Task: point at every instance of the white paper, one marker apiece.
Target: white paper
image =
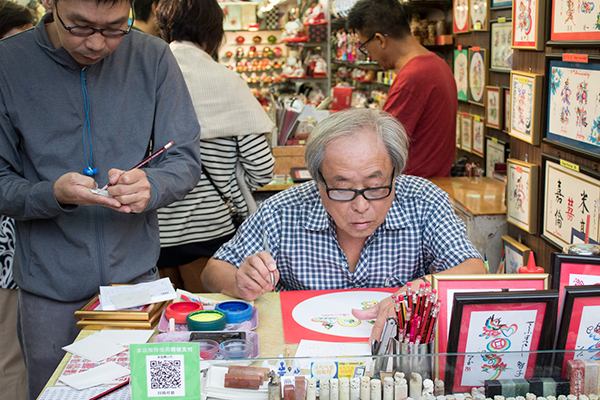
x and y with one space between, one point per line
132 299
68 393
314 348
160 290
106 343
96 376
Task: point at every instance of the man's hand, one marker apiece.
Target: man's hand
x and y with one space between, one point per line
130 188
253 278
74 189
382 311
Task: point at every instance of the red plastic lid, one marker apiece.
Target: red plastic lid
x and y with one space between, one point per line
181 310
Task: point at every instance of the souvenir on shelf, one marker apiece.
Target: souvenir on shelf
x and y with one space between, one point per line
477 75
292 31
461 73
461 16
526 94
478 15
293 67
501 42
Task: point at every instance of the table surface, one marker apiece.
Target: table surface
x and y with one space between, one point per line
480 196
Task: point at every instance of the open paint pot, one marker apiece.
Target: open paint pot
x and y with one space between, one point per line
235 311
206 320
236 348
208 348
180 310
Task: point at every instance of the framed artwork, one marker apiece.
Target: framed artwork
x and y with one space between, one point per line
522 194
448 286
458 126
461 73
575 22
466 132
501 46
573 107
495 153
525 114
477 76
506 124
573 270
478 135
578 327
500 4
499 330
515 254
528 24
579 237
460 14
233 17
479 15
493 107
571 196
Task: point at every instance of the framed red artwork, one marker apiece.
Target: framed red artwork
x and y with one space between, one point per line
573 270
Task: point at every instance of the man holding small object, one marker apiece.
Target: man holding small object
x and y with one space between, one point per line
83 98
360 224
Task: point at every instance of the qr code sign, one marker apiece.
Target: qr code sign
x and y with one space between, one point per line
166 375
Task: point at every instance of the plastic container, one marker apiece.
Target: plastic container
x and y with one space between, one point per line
180 310
206 320
208 348
235 311
236 348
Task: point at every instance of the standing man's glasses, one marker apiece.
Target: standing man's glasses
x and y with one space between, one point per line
361 46
77 30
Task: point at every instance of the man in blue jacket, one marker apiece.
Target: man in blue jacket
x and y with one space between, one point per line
83 98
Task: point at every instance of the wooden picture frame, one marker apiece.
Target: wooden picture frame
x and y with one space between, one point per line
573 270
578 327
493 107
461 73
458 130
479 15
522 190
477 146
460 16
528 24
448 286
506 123
573 116
525 113
574 23
477 75
498 329
500 45
570 194
466 132
495 152
516 255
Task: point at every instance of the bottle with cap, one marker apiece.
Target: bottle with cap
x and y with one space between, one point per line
531 268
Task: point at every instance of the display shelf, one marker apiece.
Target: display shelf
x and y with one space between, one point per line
305 44
424 5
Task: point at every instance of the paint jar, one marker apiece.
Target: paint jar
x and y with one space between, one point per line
414 358
180 310
206 320
235 311
208 348
236 348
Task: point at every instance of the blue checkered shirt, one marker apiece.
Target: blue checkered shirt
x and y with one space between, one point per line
420 234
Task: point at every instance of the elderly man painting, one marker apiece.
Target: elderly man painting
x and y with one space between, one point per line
359 224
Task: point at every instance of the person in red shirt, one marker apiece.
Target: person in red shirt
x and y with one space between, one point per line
423 95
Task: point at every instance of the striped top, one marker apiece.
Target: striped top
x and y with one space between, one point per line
202 215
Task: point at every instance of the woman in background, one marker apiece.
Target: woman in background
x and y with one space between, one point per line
233 126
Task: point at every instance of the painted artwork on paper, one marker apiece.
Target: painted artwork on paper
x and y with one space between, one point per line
477 74
458 125
575 20
507 99
493 107
494 154
466 131
522 93
570 197
478 135
525 24
518 201
461 16
478 15
461 73
574 105
588 333
501 42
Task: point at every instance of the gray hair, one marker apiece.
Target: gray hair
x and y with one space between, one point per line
356 121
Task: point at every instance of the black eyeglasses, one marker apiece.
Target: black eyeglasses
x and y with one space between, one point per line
361 46
374 193
77 30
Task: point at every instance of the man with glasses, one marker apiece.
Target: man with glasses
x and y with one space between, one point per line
360 224
83 98
423 95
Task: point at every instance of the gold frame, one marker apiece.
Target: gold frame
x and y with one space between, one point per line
531 225
484 76
536 112
517 245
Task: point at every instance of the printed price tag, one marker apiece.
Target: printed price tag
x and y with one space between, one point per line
477 26
495 140
580 58
523 80
519 169
477 48
569 165
502 19
477 118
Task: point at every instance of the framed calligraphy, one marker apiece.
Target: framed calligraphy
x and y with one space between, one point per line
522 194
477 76
478 135
506 124
458 128
570 201
515 254
525 114
573 270
460 14
493 109
574 22
495 153
466 132
461 73
501 42
573 110
528 24
501 331
479 15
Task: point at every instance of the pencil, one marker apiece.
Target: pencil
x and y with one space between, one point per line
109 391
